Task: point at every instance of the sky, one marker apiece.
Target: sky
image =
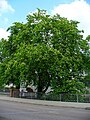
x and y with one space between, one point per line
16 11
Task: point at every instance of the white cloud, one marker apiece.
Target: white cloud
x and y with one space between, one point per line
4 7
77 10
3 33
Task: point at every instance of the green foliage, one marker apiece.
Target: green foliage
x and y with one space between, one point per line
46 51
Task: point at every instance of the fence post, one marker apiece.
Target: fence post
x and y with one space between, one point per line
60 97
77 97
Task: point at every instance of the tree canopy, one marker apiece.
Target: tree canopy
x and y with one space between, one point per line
46 51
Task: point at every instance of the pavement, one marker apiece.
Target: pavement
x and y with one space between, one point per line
46 103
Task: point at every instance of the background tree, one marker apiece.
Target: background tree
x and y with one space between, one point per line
46 51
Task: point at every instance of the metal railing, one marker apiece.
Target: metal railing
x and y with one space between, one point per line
66 97
83 98
4 93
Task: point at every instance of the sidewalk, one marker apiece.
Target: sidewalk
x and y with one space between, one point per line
46 103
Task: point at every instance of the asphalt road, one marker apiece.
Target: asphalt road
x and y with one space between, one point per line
20 111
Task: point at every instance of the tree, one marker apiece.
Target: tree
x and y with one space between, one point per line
46 51
87 65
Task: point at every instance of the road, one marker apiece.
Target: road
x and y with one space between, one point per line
20 111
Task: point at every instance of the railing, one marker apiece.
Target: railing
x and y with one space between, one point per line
83 98
4 93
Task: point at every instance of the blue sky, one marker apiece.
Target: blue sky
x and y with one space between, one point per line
23 7
17 10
